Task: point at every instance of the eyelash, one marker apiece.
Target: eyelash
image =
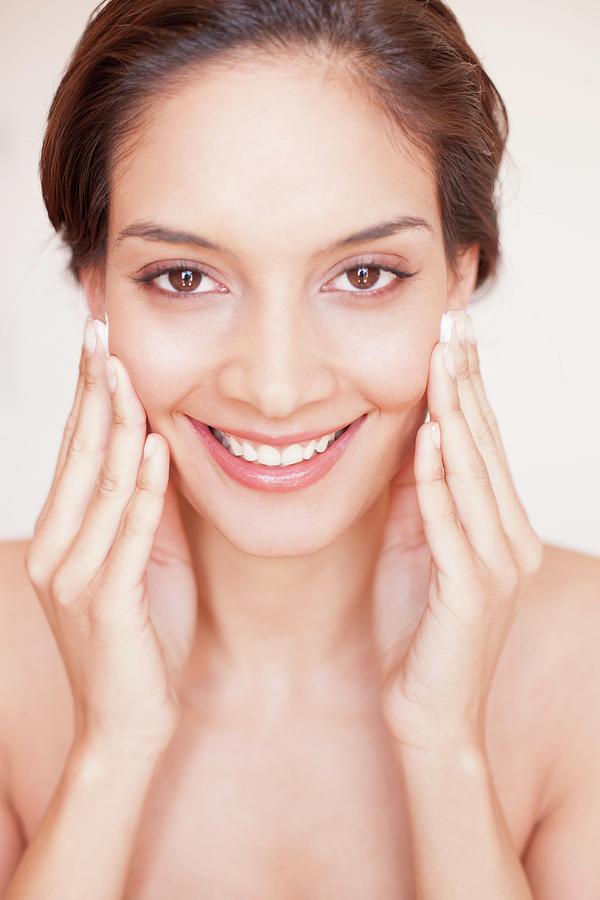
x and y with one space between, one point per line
155 273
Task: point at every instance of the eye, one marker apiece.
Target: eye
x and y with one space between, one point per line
179 279
366 275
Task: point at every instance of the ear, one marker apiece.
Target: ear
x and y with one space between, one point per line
462 284
93 283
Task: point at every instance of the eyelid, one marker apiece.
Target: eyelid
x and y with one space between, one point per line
156 270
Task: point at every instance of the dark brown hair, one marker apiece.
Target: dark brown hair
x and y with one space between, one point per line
410 57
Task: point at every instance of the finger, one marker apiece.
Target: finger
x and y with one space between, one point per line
66 440
84 457
171 536
515 521
443 530
466 472
116 479
475 370
126 565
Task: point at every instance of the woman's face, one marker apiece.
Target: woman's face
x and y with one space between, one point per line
280 334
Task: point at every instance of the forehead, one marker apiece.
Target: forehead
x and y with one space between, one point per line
277 148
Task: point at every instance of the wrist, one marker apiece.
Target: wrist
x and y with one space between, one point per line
465 745
98 757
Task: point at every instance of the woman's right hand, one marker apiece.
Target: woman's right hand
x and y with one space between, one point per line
109 535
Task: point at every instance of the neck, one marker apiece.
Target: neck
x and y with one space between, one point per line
285 621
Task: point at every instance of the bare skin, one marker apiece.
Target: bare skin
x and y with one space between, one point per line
279 781
310 802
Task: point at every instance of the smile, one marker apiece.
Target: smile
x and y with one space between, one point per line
267 455
269 468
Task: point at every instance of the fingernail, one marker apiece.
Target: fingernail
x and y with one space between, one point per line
101 331
111 376
446 323
149 445
89 335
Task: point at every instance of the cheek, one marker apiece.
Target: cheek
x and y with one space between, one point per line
161 372
394 369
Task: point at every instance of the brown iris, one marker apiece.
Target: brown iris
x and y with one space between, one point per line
363 274
185 280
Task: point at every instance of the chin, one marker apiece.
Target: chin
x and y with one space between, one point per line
289 526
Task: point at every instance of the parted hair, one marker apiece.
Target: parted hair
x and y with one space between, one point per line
409 57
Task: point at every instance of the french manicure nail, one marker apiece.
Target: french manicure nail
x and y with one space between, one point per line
446 323
101 332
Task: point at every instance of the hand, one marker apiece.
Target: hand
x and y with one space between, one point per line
112 568
459 517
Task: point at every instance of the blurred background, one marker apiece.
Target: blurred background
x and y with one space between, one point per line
537 329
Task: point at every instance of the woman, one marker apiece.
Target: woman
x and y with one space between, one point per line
301 639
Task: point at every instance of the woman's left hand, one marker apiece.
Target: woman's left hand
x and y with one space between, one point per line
461 514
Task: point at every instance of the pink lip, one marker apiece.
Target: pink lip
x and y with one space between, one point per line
275 478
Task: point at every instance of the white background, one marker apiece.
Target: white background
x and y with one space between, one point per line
537 328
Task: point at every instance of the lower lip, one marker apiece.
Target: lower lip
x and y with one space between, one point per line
276 478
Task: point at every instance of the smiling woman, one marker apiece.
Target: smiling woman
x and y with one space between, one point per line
300 606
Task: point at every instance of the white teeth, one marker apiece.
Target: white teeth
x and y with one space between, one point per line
310 449
292 454
271 456
248 452
235 446
322 444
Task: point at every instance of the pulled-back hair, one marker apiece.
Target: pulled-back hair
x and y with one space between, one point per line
410 57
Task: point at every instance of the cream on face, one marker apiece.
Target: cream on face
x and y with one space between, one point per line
274 165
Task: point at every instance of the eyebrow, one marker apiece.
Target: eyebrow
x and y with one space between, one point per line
150 231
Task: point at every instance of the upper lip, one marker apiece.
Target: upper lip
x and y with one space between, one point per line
279 440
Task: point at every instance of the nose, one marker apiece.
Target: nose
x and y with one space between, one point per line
279 362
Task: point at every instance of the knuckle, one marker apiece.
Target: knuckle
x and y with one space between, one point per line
119 418
444 513
479 471
62 588
135 525
78 448
109 484
461 366
489 416
455 408
90 379
146 485
35 566
484 435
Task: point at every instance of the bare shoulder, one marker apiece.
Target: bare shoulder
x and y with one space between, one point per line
563 631
32 673
22 619
577 572
563 605
557 640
